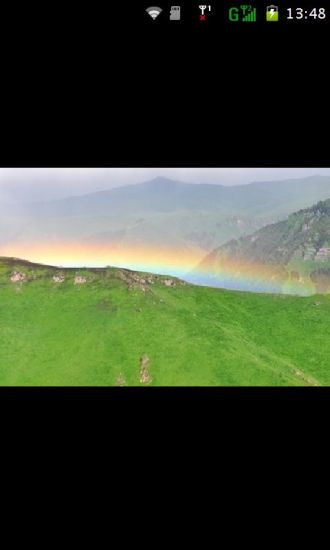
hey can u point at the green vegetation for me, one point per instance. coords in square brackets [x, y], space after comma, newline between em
[297, 238]
[296, 251]
[121, 327]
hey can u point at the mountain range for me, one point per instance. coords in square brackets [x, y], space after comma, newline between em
[160, 213]
[292, 255]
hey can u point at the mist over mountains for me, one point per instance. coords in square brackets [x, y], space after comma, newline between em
[292, 255]
[164, 195]
[161, 212]
[21, 185]
[95, 286]
[168, 226]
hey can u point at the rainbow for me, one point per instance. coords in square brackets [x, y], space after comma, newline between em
[231, 274]
[240, 274]
[164, 260]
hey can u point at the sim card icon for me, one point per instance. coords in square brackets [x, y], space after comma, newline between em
[175, 13]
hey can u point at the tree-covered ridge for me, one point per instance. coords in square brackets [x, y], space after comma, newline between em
[299, 247]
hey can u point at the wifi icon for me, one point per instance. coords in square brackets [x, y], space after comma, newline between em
[154, 11]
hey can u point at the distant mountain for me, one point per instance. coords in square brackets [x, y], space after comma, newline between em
[292, 256]
[165, 195]
[162, 213]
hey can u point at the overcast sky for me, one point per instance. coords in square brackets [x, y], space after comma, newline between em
[29, 184]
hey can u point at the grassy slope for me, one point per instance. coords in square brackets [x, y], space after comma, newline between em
[87, 334]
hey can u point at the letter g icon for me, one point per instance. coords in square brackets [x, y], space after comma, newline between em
[233, 14]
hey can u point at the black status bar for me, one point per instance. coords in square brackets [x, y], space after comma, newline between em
[232, 13]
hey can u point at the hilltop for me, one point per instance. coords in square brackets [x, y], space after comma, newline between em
[117, 327]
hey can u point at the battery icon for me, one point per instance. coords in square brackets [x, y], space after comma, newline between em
[272, 13]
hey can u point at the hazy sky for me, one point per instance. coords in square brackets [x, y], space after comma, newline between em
[29, 184]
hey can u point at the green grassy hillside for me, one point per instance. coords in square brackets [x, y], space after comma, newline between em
[121, 327]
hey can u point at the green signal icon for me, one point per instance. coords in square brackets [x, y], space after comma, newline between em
[249, 14]
[272, 13]
[243, 14]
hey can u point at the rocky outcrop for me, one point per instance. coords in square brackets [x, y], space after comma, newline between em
[169, 282]
[79, 280]
[58, 278]
[323, 254]
[145, 377]
[17, 277]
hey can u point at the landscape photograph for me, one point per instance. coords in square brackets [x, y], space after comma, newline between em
[152, 277]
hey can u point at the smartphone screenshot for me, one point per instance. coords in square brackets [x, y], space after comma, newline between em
[165, 199]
